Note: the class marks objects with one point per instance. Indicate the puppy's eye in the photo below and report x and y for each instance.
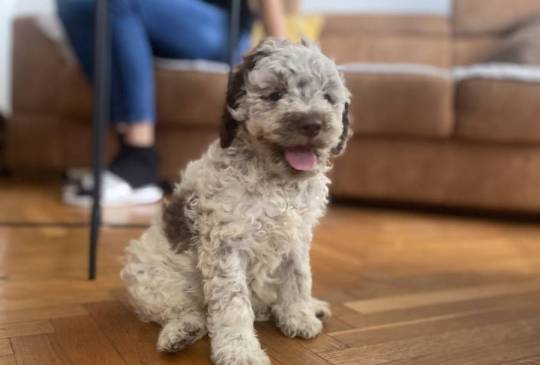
(329, 98)
(275, 96)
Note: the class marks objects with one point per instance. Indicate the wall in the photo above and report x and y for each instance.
(33, 6)
(6, 12)
(11, 8)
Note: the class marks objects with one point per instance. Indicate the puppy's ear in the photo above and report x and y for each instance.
(306, 42)
(346, 133)
(236, 89)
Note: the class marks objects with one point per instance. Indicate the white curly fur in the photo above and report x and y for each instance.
(245, 217)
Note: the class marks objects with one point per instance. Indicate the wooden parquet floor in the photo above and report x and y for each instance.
(406, 288)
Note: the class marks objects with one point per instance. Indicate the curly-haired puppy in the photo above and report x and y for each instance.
(232, 245)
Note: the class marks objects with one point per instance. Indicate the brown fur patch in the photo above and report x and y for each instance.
(177, 226)
(346, 134)
(235, 90)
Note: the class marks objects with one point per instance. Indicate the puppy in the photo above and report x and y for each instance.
(232, 245)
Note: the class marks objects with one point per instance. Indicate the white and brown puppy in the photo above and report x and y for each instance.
(232, 245)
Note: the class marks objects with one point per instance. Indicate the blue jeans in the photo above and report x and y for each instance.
(141, 29)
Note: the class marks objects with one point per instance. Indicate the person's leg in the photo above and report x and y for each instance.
(78, 18)
(132, 99)
(169, 28)
(188, 29)
(133, 64)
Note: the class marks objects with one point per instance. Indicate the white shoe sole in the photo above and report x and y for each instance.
(116, 193)
(144, 195)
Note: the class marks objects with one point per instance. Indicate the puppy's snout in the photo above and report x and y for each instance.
(310, 128)
(303, 124)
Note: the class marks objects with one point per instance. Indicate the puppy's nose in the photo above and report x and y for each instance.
(311, 128)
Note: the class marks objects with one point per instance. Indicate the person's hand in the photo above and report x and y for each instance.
(273, 18)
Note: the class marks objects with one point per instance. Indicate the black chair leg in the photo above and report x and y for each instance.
(100, 120)
(102, 104)
(234, 29)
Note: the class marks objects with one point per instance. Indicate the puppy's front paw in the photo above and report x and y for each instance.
(176, 335)
(298, 321)
(321, 308)
(240, 354)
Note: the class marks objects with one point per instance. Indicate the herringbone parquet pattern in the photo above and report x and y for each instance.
(405, 288)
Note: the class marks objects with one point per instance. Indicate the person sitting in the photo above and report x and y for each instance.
(140, 30)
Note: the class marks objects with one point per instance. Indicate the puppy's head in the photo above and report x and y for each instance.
(291, 102)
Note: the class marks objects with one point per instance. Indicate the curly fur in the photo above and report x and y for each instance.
(232, 245)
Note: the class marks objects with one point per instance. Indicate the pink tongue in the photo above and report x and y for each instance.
(301, 158)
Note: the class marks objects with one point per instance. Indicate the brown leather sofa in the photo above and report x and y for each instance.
(422, 134)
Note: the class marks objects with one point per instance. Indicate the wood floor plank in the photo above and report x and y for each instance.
(32, 303)
(522, 360)
(285, 350)
(441, 348)
(323, 343)
(5, 347)
(136, 341)
(25, 328)
(392, 332)
(357, 320)
(405, 288)
(505, 352)
(8, 360)
(83, 343)
(334, 324)
(10, 316)
(38, 349)
(444, 296)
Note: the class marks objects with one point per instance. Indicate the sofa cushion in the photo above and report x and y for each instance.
(387, 38)
(452, 172)
(400, 100)
(37, 68)
(489, 16)
(521, 46)
(75, 95)
(374, 24)
(396, 48)
(34, 141)
(498, 102)
(470, 50)
(190, 93)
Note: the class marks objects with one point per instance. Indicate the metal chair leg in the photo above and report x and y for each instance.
(101, 109)
(234, 29)
(100, 117)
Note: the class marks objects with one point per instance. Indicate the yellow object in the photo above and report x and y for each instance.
(298, 26)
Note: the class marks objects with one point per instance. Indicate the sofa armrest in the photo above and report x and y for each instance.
(38, 69)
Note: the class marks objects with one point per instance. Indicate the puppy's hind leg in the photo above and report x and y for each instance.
(177, 333)
(165, 289)
(181, 316)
